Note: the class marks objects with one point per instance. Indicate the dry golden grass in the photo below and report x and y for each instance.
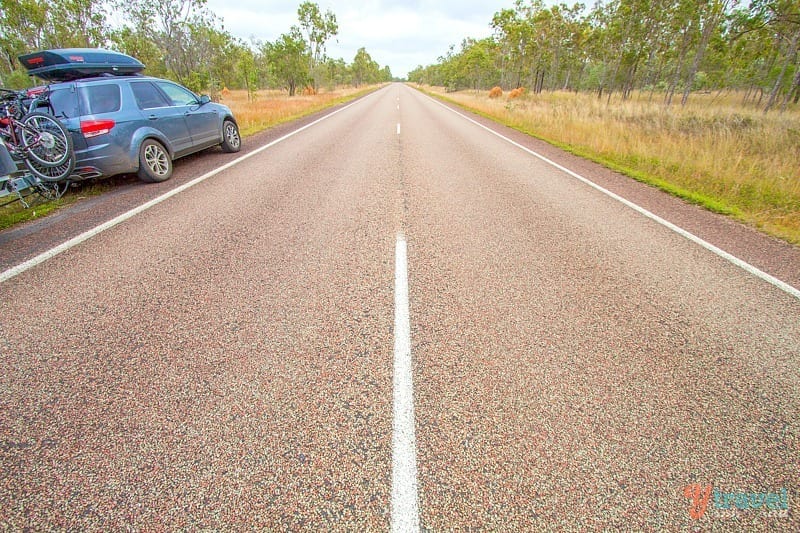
(270, 108)
(715, 152)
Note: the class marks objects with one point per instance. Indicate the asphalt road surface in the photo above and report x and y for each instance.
(394, 318)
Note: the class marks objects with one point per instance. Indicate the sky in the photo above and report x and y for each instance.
(400, 34)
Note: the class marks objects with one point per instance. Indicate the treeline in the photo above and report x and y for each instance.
(672, 47)
(182, 40)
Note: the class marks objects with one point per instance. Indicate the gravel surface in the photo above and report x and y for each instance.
(224, 359)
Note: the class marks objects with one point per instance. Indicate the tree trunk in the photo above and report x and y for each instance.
(678, 69)
(711, 24)
(795, 86)
(789, 56)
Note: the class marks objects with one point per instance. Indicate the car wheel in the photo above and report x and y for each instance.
(155, 164)
(231, 141)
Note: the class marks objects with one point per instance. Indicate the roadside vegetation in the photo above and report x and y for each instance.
(714, 152)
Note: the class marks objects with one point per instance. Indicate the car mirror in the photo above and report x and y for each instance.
(205, 99)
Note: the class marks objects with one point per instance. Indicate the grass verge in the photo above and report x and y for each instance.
(714, 152)
(15, 213)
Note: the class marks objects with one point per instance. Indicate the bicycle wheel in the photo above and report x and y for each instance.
(49, 173)
(46, 139)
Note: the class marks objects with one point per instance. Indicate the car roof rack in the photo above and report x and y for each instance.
(68, 64)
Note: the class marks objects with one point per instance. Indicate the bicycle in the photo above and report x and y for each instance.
(36, 138)
(20, 185)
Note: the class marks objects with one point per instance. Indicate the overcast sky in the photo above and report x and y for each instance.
(399, 33)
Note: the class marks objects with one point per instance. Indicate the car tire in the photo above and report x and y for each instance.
(155, 163)
(231, 141)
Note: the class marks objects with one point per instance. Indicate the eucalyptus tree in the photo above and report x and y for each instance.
(476, 65)
(364, 69)
(710, 15)
(513, 32)
(318, 28)
(168, 25)
(288, 58)
(29, 25)
(179, 39)
(782, 18)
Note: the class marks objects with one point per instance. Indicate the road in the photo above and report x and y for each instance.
(247, 354)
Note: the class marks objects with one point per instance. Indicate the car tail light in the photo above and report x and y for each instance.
(36, 91)
(93, 128)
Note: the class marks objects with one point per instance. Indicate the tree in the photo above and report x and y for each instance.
(711, 15)
(29, 25)
(288, 57)
(783, 18)
(246, 69)
(168, 25)
(88, 15)
(180, 39)
(318, 28)
(337, 72)
(476, 63)
(364, 68)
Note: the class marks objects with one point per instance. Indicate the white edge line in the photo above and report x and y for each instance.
(405, 505)
(782, 285)
(71, 243)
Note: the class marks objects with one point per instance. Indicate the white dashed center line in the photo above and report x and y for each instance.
(405, 508)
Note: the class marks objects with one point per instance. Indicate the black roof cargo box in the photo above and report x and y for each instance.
(73, 63)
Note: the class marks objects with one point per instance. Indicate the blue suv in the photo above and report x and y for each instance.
(123, 122)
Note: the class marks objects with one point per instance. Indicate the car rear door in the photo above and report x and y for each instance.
(162, 115)
(202, 120)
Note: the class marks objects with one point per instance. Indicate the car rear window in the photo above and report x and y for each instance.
(100, 98)
(64, 102)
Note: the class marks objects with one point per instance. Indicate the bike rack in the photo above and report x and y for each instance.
(19, 184)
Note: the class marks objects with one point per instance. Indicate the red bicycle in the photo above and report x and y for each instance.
(36, 138)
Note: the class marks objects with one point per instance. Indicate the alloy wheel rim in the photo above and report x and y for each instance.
(232, 136)
(156, 159)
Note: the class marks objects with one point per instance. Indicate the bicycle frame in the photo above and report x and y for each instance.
(14, 109)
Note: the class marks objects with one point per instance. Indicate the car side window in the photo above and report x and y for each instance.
(101, 98)
(147, 95)
(178, 94)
